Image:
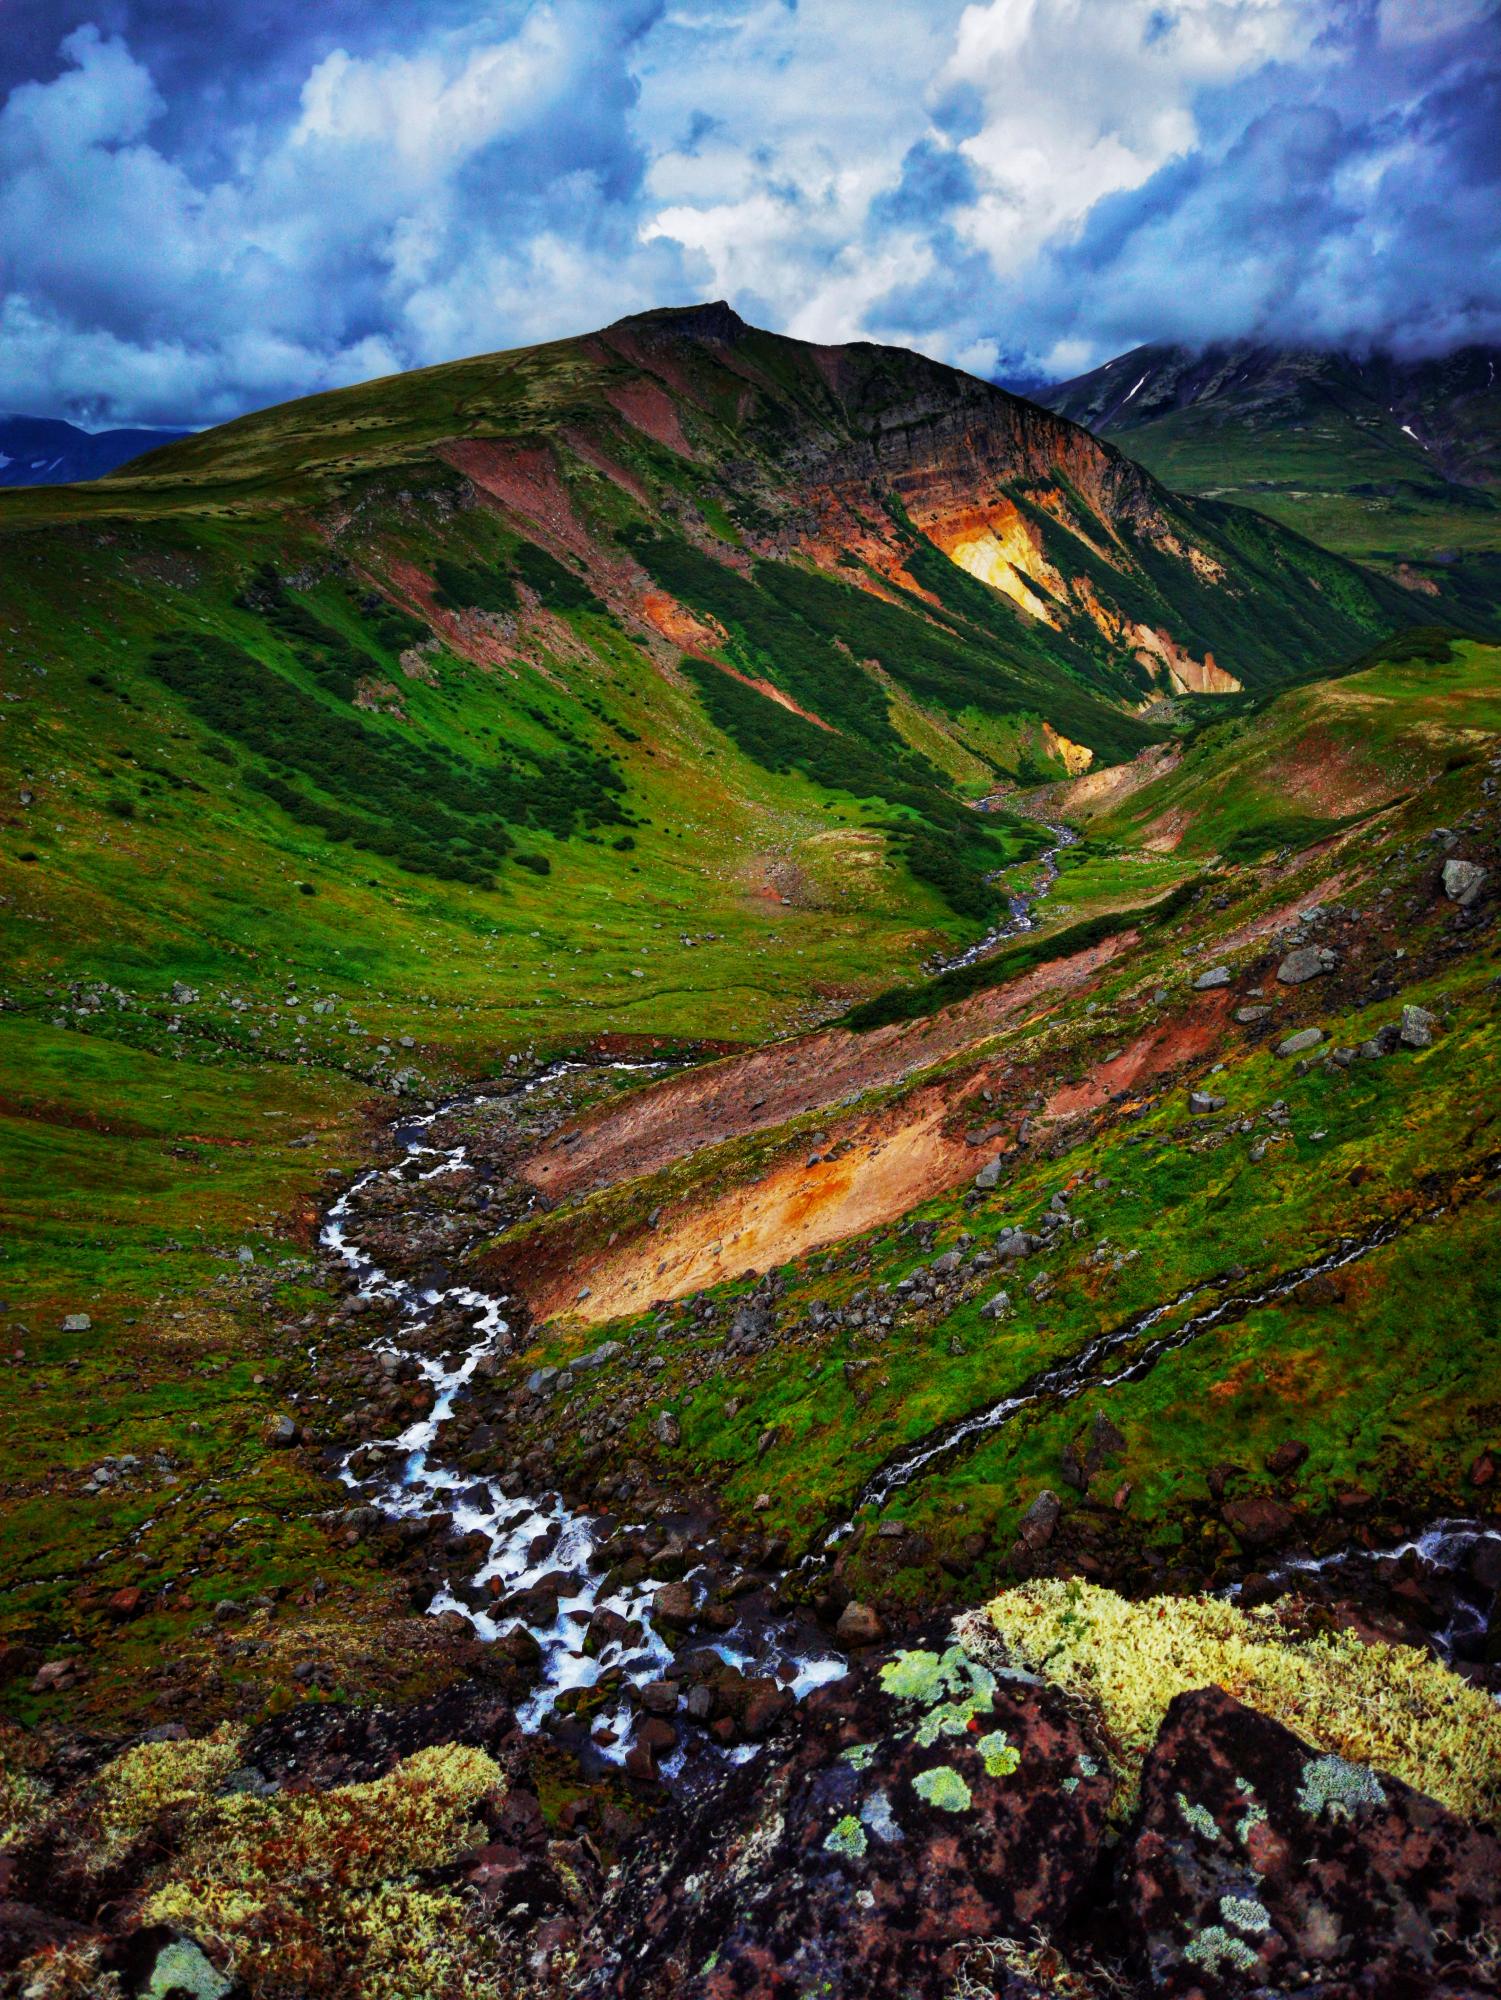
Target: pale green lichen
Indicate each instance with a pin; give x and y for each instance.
(876, 1813)
(1088, 1768)
(929, 1677)
(846, 1839)
(944, 1788)
(859, 1756)
(1199, 1818)
(999, 1753)
(182, 1968)
(951, 1718)
(1246, 1913)
(1337, 1787)
(1215, 1947)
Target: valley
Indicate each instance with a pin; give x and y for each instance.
(678, 1007)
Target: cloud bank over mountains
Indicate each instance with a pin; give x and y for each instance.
(207, 205)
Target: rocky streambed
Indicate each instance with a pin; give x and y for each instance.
(641, 1641)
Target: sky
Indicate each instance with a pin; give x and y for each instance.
(207, 206)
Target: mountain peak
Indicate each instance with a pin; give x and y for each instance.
(715, 321)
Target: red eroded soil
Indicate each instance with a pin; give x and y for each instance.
(648, 406)
(886, 1162)
(525, 479)
(1186, 1038)
(749, 1093)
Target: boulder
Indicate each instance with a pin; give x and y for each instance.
(1260, 1865)
(673, 1604)
(989, 1175)
(859, 1625)
(1306, 963)
(1206, 982)
(1258, 1520)
(1040, 1521)
(1417, 1028)
(1463, 880)
(1201, 1104)
(916, 1807)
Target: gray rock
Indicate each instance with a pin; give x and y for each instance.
(1246, 1015)
(1219, 975)
(1306, 963)
(77, 1323)
(1200, 1103)
(994, 1308)
(989, 1175)
(541, 1381)
(666, 1429)
(283, 1432)
(597, 1357)
(1301, 1042)
(1417, 1027)
(1462, 880)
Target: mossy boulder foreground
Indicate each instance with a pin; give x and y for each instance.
(1062, 1796)
(918, 1805)
(942, 1823)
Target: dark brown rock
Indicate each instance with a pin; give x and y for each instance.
(1258, 1863)
(859, 1625)
(1258, 1521)
(1286, 1458)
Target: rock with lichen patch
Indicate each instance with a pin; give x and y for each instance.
(1259, 1863)
(916, 1805)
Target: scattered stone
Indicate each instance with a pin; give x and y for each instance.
(1201, 1103)
(77, 1323)
(1247, 1015)
(1207, 981)
(1298, 1044)
(666, 1429)
(282, 1432)
(989, 1175)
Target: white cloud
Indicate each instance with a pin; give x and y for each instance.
(1050, 179)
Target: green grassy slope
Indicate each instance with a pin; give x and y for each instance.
(342, 762)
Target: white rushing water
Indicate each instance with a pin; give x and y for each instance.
(1019, 918)
(531, 1537)
(1441, 1552)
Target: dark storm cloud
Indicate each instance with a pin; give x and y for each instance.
(209, 204)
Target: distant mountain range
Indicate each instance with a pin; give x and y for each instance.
(45, 451)
(1393, 461)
